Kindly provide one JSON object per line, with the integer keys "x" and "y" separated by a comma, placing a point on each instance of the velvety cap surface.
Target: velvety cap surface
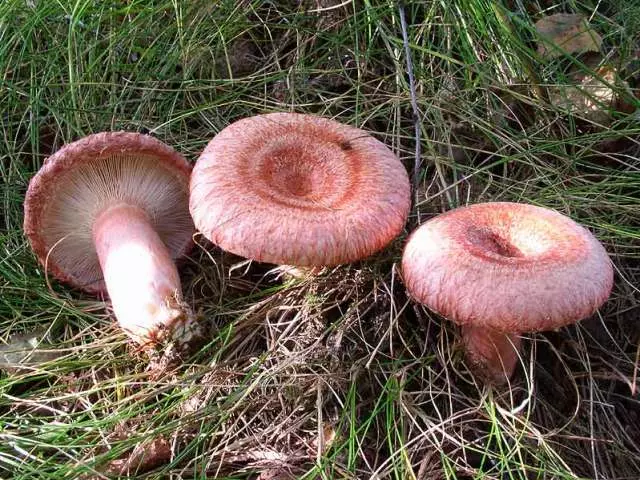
{"x": 87, "y": 176}
{"x": 508, "y": 266}
{"x": 298, "y": 189}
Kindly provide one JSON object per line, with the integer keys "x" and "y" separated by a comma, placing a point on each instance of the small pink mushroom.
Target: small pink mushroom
{"x": 299, "y": 190}
{"x": 501, "y": 269}
{"x": 109, "y": 214}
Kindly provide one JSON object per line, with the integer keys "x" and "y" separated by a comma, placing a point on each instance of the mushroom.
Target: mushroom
{"x": 593, "y": 91}
{"x": 500, "y": 269}
{"x": 300, "y": 190}
{"x": 109, "y": 214}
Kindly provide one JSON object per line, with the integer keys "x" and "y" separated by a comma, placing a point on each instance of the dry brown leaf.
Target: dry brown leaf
{"x": 568, "y": 33}
{"x": 323, "y": 442}
{"x": 144, "y": 457}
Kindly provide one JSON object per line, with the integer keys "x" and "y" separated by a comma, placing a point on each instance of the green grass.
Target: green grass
{"x": 344, "y": 355}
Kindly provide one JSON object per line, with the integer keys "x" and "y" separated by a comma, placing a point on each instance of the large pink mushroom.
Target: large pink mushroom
{"x": 109, "y": 214}
{"x": 501, "y": 269}
{"x": 299, "y": 190}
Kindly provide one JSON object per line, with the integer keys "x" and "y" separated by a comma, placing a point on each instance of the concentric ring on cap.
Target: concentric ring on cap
{"x": 507, "y": 266}
{"x": 298, "y": 189}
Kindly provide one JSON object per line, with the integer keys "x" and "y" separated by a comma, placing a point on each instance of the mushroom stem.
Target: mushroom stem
{"x": 491, "y": 353}
{"x": 141, "y": 278}
{"x": 292, "y": 272}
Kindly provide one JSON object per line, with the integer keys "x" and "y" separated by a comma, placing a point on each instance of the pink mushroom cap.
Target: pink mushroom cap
{"x": 298, "y": 189}
{"x": 84, "y": 178}
{"x": 510, "y": 267}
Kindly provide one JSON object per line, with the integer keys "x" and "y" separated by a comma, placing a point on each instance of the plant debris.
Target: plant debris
{"x": 565, "y": 33}
{"x": 143, "y": 458}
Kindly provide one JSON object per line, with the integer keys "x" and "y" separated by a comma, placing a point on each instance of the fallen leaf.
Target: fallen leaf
{"x": 324, "y": 441}
{"x": 566, "y": 33}
{"x": 144, "y": 457}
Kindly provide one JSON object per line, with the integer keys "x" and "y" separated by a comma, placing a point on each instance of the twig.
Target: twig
{"x": 414, "y": 103}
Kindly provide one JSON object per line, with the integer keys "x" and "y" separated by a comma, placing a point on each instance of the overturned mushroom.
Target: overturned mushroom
{"x": 593, "y": 91}
{"x": 500, "y": 269}
{"x": 300, "y": 190}
{"x": 109, "y": 214}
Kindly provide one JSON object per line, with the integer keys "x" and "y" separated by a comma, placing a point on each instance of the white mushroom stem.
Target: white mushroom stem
{"x": 493, "y": 354}
{"x": 291, "y": 272}
{"x": 141, "y": 278}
